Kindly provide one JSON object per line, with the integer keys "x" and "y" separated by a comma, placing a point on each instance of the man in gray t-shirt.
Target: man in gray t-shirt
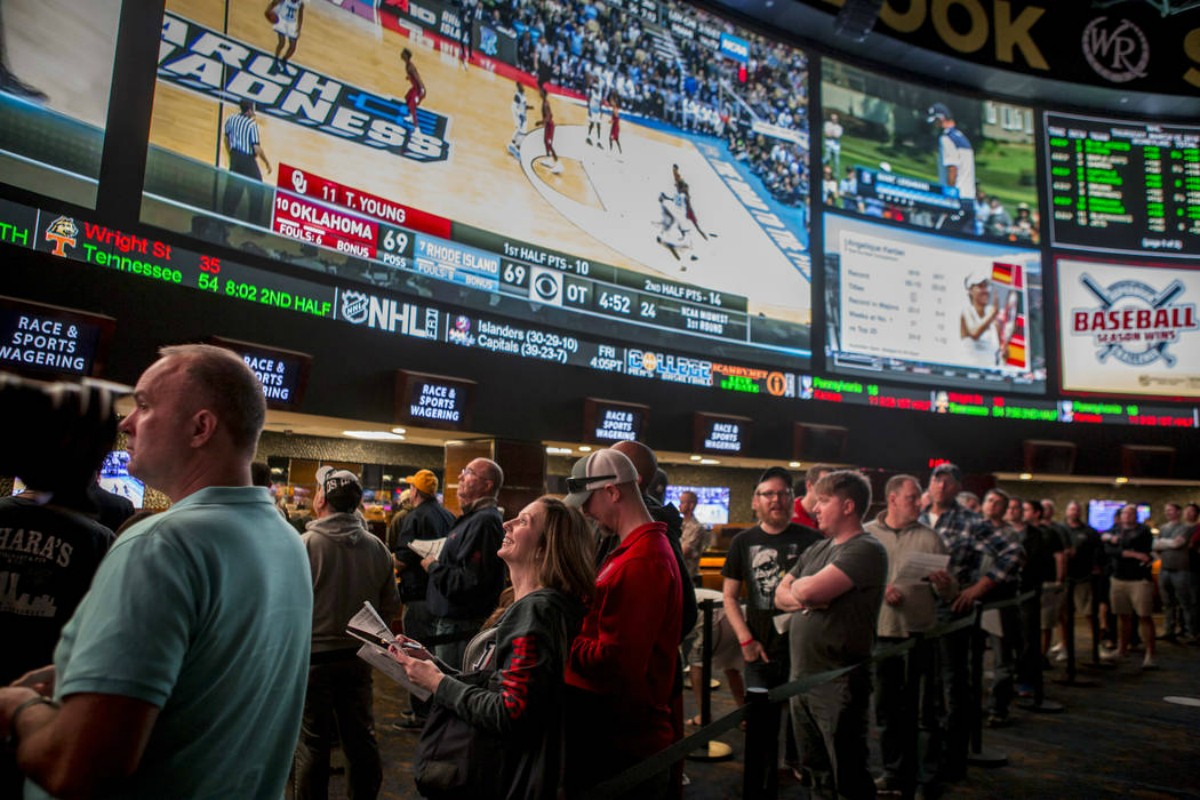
{"x": 835, "y": 592}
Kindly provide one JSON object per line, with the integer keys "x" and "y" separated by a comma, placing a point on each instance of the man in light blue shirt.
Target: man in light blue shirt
{"x": 182, "y": 673}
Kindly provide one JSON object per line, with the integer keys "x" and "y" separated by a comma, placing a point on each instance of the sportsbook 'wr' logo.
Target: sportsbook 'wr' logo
{"x": 1117, "y": 50}
{"x": 1134, "y": 323}
{"x": 63, "y": 233}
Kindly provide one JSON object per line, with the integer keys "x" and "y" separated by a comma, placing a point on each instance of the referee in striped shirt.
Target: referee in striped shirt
{"x": 244, "y": 147}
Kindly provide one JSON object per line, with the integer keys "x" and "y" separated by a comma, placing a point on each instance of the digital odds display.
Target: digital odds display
{"x": 1128, "y": 329}
{"x": 910, "y": 306}
{"x": 641, "y": 172}
{"x": 58, "y": 64}
{"x": 928, "y": 158}
{"x": 1123, "y": 186}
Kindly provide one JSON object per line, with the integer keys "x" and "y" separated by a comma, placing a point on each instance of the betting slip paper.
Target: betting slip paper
{"x": 916, "y": 567}
{"x": 427, "y": 548}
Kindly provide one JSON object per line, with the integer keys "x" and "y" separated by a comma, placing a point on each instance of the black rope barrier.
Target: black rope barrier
{"x": 662, "y": 760}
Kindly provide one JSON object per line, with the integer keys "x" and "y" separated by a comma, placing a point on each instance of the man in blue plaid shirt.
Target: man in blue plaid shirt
{"x": 972, "y": 542}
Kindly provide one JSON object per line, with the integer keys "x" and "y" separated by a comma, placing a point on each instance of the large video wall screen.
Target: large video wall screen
{"x": 1128, "y": 329}
{"x": 55, "y": 81}
{"x": 603, "y": 170}
{"x": 927, "y": 158}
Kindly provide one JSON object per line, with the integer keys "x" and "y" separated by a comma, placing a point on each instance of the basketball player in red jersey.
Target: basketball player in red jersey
{"x": 547, "y": 124}
{"x": 681, "y": 187}
{"x": 614, "y": 131}
{"x": 417, "y": 92}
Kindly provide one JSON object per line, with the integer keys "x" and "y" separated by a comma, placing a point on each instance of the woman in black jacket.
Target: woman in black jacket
{"x": 511, "y": 692}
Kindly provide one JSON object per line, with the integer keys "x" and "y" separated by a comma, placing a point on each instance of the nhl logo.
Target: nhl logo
{"x": 354, "y": 307}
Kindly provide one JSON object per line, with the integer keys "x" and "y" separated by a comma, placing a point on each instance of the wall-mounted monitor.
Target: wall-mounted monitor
{"x": 434, "y": 401}
{"x": 720, "y": 434}
{"x": 712, "y": 502}
{"x": 282, "y": 373}
{"x": 1123, "y": 186}
{"x": 1102, "y": 514}
{"x": 1128, "y": 329}
{"x": 609, "y": 421}
{"x": 54, "y": 92}
{"x": 908, "y": 306}
{"x": 671, "y": 145}
{"x": 45, "y": 341}
{"x": 115, "y": 478}
{"x": 928, "y": 158}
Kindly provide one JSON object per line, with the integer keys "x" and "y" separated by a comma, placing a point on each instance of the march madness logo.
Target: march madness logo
{"x": 209, "y": 62}
{"x": 1134, "y": 322}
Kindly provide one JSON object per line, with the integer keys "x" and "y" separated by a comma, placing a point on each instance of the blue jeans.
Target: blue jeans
{"x": 1178, "y": 588}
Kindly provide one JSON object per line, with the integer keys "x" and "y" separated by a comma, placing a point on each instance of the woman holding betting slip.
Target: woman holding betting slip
{"x": 496, "y": 729}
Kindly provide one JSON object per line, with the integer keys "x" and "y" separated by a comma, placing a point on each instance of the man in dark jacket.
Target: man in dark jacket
{"x": 466, "y": 578}
{"x": 428, "y": 520}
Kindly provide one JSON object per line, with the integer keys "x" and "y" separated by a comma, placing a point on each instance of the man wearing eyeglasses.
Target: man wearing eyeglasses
{"x": 466, "y": 578}
{"x": 759, "y": 557}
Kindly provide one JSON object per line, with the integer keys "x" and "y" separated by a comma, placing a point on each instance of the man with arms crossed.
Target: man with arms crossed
{"x": 183, "y": 671}
{"x": 758, "y": 558}
{"x": 836, "y": 590}
{"x": 623, "y": 665}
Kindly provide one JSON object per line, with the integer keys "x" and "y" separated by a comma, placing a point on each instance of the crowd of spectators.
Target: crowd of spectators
{"x": 552, "y": 639}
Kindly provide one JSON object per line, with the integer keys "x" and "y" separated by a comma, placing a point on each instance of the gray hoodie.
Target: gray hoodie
{"x": 349, "y": 567}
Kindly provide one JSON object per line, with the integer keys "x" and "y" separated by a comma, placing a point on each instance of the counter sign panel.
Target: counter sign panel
{"x": 433, "y": 401}
{"x": 720, "y": 434}
{"x": 45, "y": 341}
{"x": 606, "y": 421}
{"x": 282, "y": 373}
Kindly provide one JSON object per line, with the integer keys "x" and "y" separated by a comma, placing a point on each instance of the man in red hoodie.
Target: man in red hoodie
{"x": 622, "y": 665}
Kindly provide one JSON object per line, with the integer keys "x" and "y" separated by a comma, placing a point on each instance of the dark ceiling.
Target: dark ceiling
{"x": 816, "y": 26}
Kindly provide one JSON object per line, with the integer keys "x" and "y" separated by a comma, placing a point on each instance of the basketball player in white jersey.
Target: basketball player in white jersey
{"x": 287, "y": 17}
{"x": 520, "y": 113}
{"x": 594, "y": 116}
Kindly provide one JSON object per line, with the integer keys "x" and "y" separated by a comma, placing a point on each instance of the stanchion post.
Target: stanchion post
{"x": 915, "y": 664}
{"x": 977, "y": 680}
{"x": 979, "y": 756}
{"x": 760, "y": 777}
{"x": 706, "y": 667}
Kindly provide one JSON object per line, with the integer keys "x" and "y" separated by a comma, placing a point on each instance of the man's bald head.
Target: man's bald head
{"x": 643, "y": 458}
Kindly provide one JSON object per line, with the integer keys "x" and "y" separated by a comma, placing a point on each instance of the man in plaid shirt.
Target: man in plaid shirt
{"x": 972, "y": 541}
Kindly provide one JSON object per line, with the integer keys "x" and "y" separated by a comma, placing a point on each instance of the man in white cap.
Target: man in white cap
{"x": 622, "y": 665}
{"x": 350, "y": 566}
